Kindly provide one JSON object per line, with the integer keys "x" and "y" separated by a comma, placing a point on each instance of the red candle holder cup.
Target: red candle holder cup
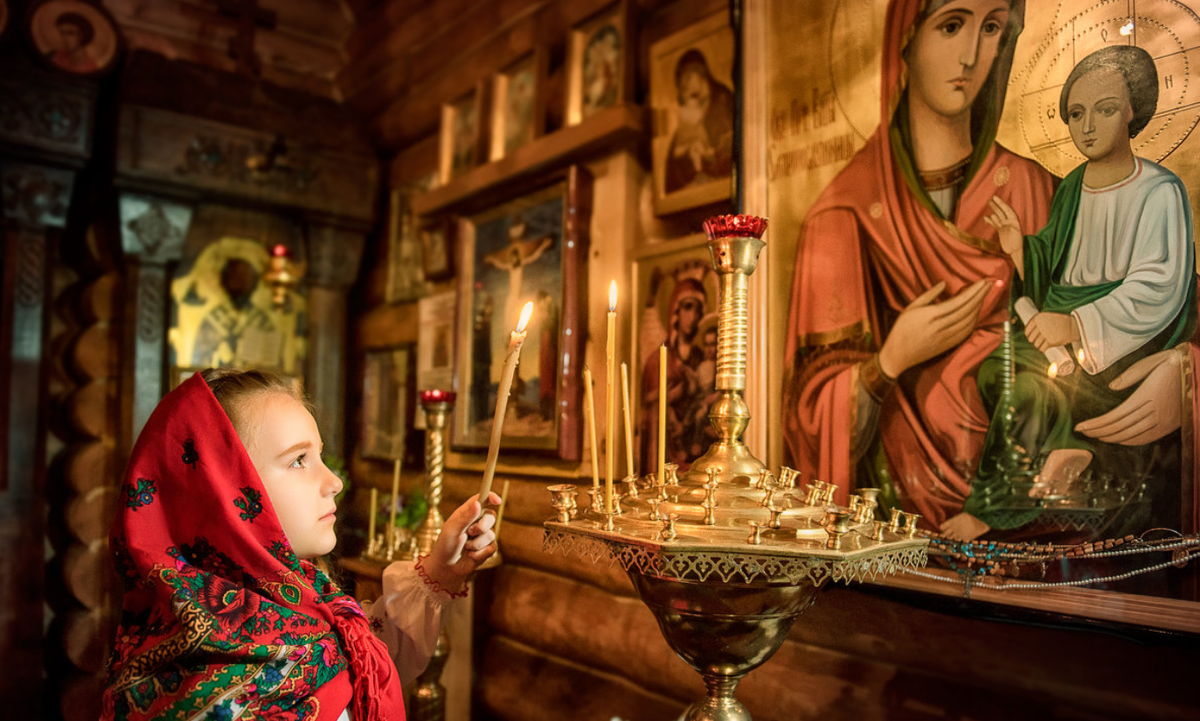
{"x": 735, "y": 226}
{"x": 279, "y": 250}
{"x": 437, "y": 396}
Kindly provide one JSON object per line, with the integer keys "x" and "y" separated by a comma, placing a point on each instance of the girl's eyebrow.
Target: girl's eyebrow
{"x": 297, "y": 447}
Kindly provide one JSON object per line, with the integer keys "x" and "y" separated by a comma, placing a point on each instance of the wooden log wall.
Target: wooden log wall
{"x": 82, "y": 481}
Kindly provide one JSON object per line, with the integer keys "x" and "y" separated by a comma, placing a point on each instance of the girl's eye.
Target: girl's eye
{"x": 300, "y": 461}
{"x": 991, "y": 27}
{"x": 1074, "y": 115}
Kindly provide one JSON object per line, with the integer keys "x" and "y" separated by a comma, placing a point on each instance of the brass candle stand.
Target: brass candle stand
{"x": 436, "y": 405}
{"x": 428, "y": 700}
{"x": 728, "y": 556}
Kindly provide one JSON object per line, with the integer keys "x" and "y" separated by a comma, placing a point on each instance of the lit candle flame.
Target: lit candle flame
{"x": 612, "y": 296}
{"x": 1052, "y": 371}
{"x": 525, "y": 313}
{"x": 1079, "y": 355}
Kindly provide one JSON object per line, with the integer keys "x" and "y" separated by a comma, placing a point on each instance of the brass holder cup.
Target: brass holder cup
{"x": 562, "y": 498}
{"x": 727, "y": 557}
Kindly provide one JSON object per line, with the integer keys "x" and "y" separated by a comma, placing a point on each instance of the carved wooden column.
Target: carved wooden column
{"x": 334, "y": 254}
{"x": 45, "y": 128}
{"x": 152, "y": 233}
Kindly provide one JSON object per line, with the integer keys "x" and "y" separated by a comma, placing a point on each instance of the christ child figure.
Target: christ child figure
{"x": 1112, "y": 274}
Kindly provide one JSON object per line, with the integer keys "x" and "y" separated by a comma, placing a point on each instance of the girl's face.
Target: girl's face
{"x": 285, "y": 446}
{"x": 952, "y": 53}
{"x": 1099, "y": 113}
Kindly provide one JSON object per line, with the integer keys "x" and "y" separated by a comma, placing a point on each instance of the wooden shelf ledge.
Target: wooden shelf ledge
{"x": 603, "y": 130}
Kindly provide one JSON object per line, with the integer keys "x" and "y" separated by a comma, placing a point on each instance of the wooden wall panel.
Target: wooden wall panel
{"x": 304, "y": 50}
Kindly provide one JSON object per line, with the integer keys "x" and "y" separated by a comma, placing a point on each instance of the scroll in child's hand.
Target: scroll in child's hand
{"x": 1060, "y": 359}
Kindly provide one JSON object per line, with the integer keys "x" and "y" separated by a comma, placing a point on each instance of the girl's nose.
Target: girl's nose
{"x": 335, "y": 482}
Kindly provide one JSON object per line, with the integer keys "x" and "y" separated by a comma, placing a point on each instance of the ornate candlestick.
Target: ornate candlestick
{"x": 728, "y": 556}
{"x": 734, "y": 244}
{"x": 436, "y": 405}
{"x": 428, "y": 700}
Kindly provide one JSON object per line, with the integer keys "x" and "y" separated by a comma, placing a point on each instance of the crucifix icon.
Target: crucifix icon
{"x": 247, "y": 17}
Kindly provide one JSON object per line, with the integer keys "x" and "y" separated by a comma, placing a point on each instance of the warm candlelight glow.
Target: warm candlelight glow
{"x": 1079, "y": 355}
{"x": 1052, "y": 371}
{"x": 526, "y": 312}
{"x": 612, "y": 297}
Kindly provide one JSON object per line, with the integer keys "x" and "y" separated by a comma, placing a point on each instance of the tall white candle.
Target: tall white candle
{"x": 395, "y": 497}
{"x": 662, "y": 414}
{"x": 628, "y": 420}
{"x": 591, "y": 424}
{"x": 506, "y": 377}
{"x": 371, "y": 516}
{"x": 610, "y": 406}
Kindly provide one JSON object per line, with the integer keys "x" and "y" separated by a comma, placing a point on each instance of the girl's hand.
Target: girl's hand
{"x": 463, "y": 545}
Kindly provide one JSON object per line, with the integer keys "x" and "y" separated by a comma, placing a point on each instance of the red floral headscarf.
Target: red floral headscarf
{"x": 220, "y": 619}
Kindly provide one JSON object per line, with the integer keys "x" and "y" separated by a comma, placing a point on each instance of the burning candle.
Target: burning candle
{"x": 662, "y": 414}
{"x": 591, "y": 424}
{"x": 371, "y": 516}
{"x": 516, "y": 339}
{"x": 628, "y": 421}
{"x": 610, "y": 405}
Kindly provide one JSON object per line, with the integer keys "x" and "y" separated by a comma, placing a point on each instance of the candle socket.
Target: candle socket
{"x": 597, "y": 505}
{"x": 838, "y": 526}
{"x": 671, "y": 473}
{"x": 562, "y": 499}
{"x": 631, "y": 486}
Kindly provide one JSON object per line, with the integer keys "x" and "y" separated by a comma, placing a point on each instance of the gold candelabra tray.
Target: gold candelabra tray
{"x": 729, "y": 555}
{"x": 789, "y": 555}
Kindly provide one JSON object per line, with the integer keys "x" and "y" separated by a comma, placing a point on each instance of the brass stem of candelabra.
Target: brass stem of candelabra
{"x": 734, "y": 260}
{"x": 436, "y": 414}
{"x": 428, "y": 700}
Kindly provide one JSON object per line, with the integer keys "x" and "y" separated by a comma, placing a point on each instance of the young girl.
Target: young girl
{"x": 1113, "y": 275}
{"x": 225, "y": 616}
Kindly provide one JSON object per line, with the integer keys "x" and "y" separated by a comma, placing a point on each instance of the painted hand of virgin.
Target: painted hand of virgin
{"x": 463, "y": 544}
{"x": 926, "y": 329}
{"x": 964, "y": 527}
{"x": 1154, "y": 410}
